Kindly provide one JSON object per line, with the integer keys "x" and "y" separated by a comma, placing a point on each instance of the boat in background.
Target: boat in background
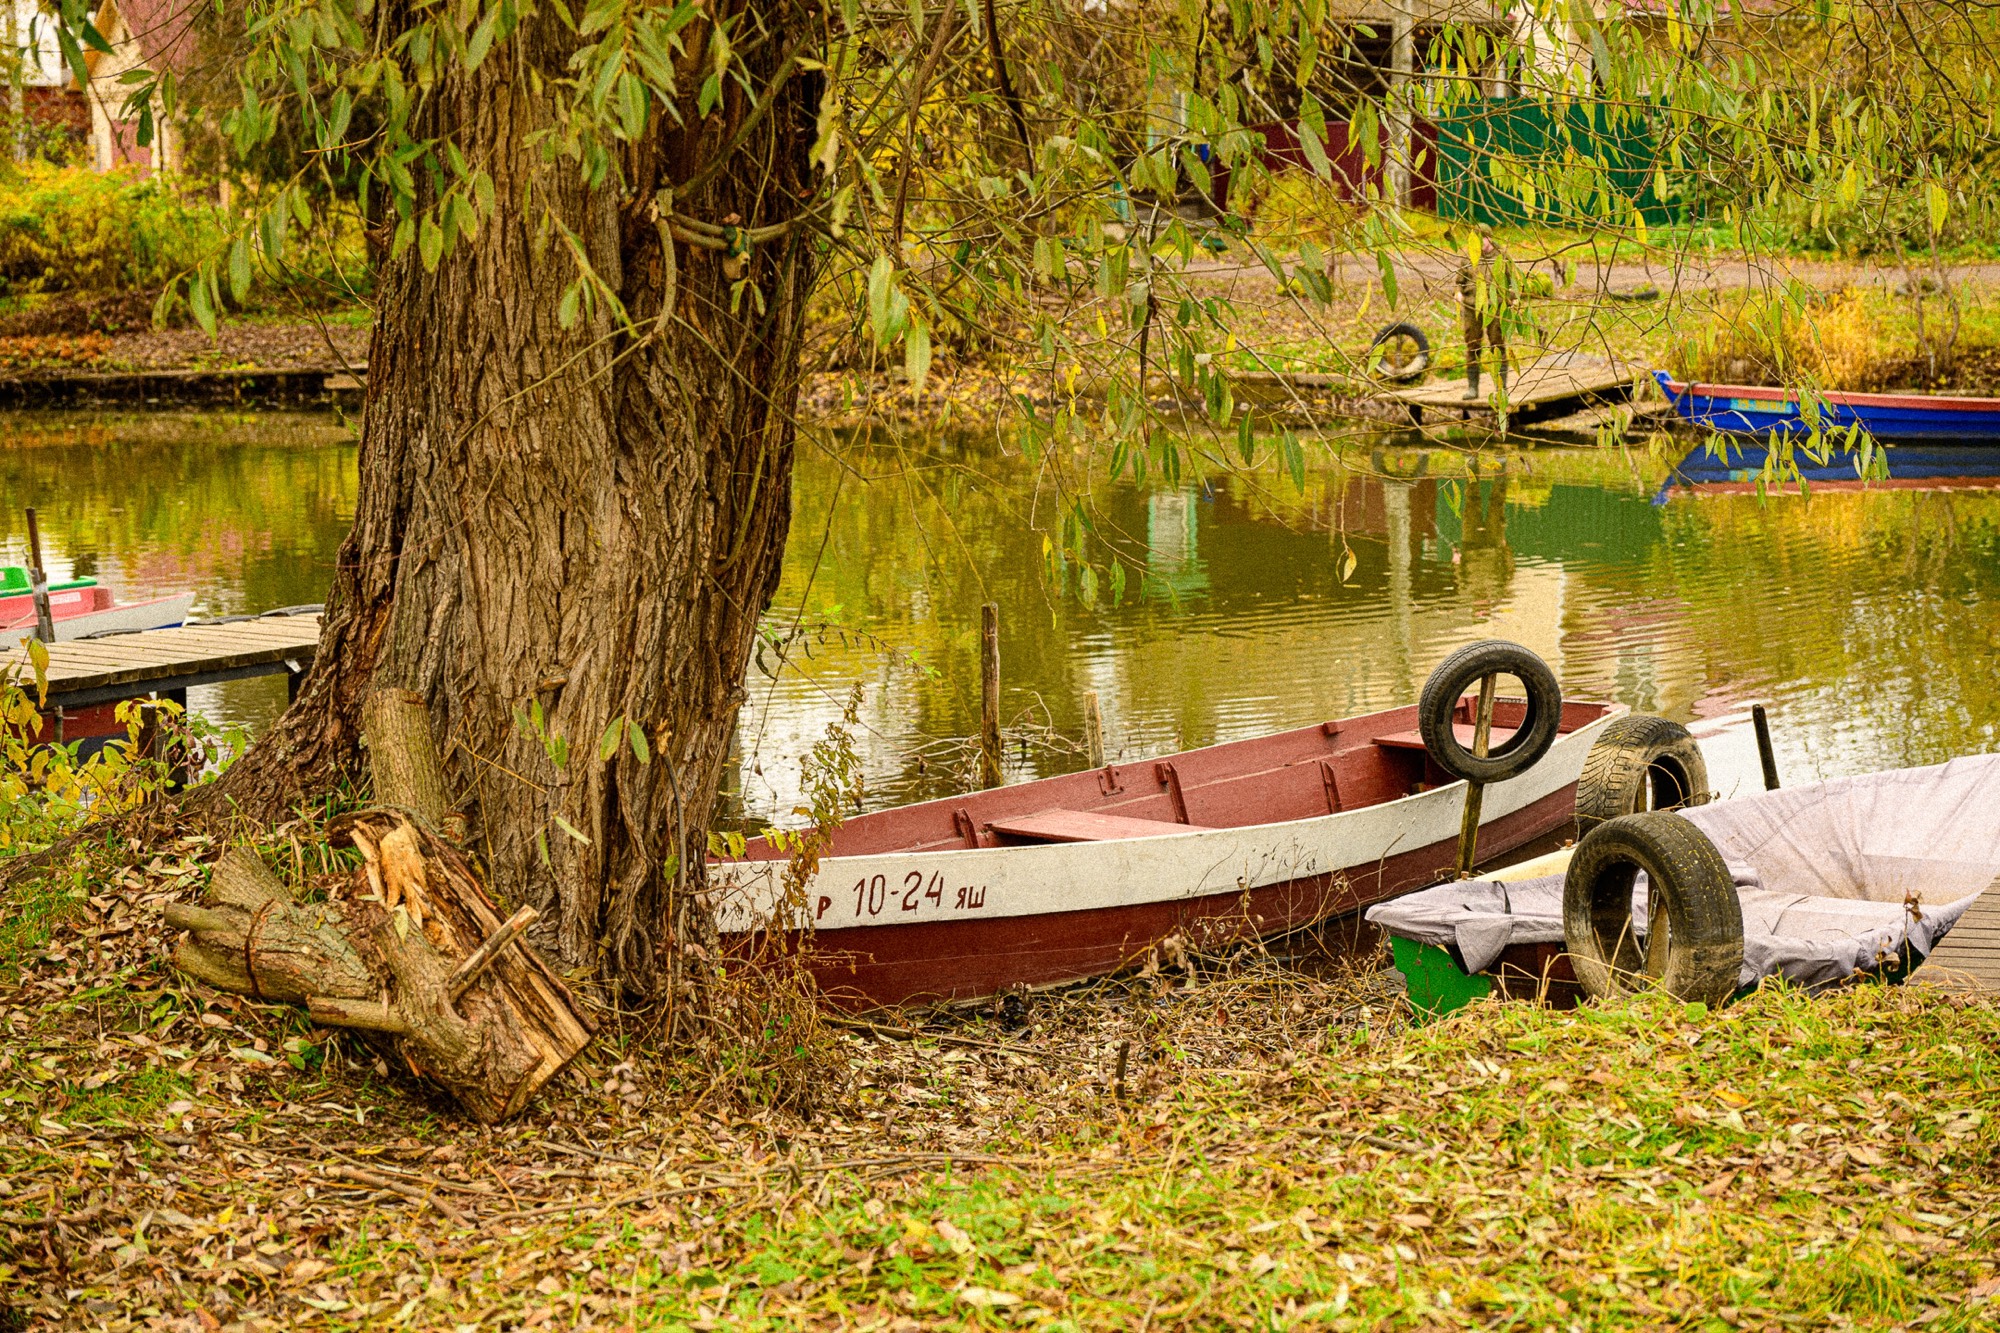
{"x": 1744, "y": 409}
{"x": 82, "y": 607}
{"x": 1078, "y": 876}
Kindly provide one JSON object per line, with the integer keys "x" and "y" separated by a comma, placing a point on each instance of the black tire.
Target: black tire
{"x": 1640, "y": 763}
{"x": 1437, "y": 706}
{"x": 1401, "y": 372}
{"x": 1700, "y": 954}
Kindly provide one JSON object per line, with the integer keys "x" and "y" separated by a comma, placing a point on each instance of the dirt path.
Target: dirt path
{"x": 1433, "y": 273}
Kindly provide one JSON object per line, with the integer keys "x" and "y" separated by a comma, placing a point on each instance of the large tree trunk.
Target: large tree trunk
{"x": 582, "y": 519}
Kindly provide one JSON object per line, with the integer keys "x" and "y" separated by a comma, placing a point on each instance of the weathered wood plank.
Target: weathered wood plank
{"x": 1968, "y": 958}
{"x": 156, "y": 658}
{"x": 1533, "y": 385}
{"x": 141, "y": 649}
{"x": 162, "y": 660}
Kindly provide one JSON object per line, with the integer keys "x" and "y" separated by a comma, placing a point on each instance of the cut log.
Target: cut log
{"x": 413, "y": 953}
{"x": 482, "y": 958}
{"x": 435, "y": 978}
{"x": 515, "y": 1025}
{"x": 254, "y": 939}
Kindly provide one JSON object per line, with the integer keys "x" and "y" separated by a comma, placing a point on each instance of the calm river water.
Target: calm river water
{"x": 1867, "y": 619}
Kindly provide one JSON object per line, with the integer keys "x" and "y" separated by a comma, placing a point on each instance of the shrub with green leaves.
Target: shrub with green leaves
{"x": 69, "y": 229}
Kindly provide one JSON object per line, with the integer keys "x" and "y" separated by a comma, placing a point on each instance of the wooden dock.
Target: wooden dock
{"x": 312, "y": 387}
{"x": 1559, "y": 385}
{"x": 1967, "y": 960}
{"x": 168, "y": 662}
{"x": 1555, "y": 386}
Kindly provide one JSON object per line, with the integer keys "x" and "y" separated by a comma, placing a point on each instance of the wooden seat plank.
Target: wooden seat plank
{"x": 1414, "y": 740}
{"x": 1085, "y": 826}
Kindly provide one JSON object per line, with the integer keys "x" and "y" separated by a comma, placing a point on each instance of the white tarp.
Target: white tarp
{"x": 1835, "y": 878}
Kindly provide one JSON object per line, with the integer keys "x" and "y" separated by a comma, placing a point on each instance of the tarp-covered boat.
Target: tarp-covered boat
{"x": 1836, "y": 881}
{"x": 1759, "y": 409}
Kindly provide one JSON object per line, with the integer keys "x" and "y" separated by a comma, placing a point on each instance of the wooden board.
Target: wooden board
{"x": 162, "y": 659}
{"x": 1414, "y": 740}
{"x": 1968, "y": 958}
{"x": 1084, "y": 826}
{"x": 1554, "y": 386}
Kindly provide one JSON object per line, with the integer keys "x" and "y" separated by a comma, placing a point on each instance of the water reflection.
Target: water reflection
{"x": 246, "y": 510}
{"x": 1866, "y": 615}
{"x": 1732, "y": 467}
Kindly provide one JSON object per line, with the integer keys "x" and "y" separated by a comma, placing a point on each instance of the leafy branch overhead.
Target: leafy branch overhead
{"x": 979, "y": 175}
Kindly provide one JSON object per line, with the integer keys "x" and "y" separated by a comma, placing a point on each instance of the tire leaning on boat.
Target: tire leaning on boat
{"x": 1640, "y": 763}
{"x": 1689, "y": 889}
{"x": 1437, "y": 711}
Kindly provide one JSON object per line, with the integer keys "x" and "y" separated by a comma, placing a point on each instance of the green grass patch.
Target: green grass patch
{"x": 1796, "y": 1161}
{"x": 32, "y": 910}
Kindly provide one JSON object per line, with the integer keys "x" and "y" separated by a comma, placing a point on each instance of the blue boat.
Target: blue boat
{"x": 1743, "y": 409}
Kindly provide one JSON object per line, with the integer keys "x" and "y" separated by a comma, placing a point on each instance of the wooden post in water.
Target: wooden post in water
{"x": 1765, "y": 754}
{"x": 1093, "y": 729}
{"x": 989, "y": 695}
{"x": 38, "y": 578}
{"x": 1475, "y": 792}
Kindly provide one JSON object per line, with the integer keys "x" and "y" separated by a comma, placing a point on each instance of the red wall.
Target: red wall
{"x": 1351, "y": 172}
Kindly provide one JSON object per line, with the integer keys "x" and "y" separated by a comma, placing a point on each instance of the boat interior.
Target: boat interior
{"x": 1300, "y": 774}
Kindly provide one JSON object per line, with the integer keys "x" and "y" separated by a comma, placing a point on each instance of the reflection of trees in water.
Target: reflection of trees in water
{"x": 1249, "y": 606}
{"x": 1486, "y": 562}
{"x": 1869, "y": 617}
{"x": 246, "y": 510}
{"x": 1855, "y": 612}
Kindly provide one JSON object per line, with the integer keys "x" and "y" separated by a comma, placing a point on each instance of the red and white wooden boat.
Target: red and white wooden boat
{"x": 82, "y": 609}
{"x": 1081, "y": 875}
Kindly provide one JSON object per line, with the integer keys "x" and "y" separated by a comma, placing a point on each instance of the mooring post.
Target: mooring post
{"x": 38, "y": 579}
{"x": 1475, "y": 792}
{"x": 1093, "y": 729}
{"x": 1765, "y": 754}
{"x": 989, "y": 695}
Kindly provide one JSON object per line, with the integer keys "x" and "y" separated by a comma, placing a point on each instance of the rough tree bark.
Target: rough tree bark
{"x": 578, "y": 518}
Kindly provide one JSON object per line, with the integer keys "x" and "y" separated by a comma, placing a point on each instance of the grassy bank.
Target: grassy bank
{"x": 1282, "y": 1150}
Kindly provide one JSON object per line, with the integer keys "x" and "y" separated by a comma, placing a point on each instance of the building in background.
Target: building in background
{"x": 149, "y": 35}
{"x": 43, "y": 113}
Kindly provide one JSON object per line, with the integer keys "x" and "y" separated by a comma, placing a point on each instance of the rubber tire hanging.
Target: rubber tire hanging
{"x": 1407, "y": 372}
{"x": 1437, "y": 711}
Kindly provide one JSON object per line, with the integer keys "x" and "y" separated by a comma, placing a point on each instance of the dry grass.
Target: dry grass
{"x": 1280, "y": 1149}
{"x": 1856, "y": 339}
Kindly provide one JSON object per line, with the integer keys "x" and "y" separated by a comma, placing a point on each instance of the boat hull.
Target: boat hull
{"x": 925, "y": 926}
{"x": 80, "y": 614}
{"x": 863, "y": 968}
{"x": 1762, "y": 410}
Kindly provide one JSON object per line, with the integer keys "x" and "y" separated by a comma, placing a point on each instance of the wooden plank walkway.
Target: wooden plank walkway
{"x": 1552, "y": 387}
{"x": 1968, "y": 958}
{"x": 1559, "y": 385}
{"x": 169, "y": 661}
